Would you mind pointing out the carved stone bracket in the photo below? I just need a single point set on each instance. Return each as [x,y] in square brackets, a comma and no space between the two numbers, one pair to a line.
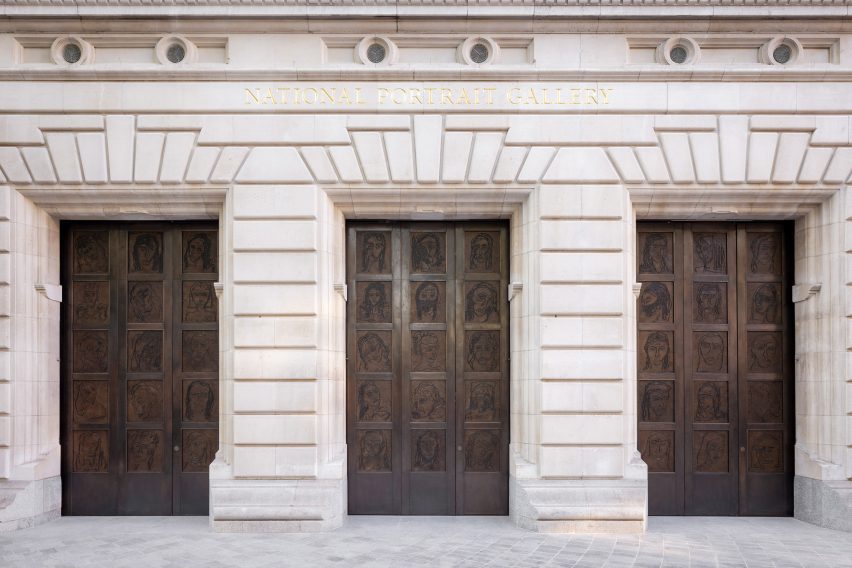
[515,288]
[637,288]
[218,288]
[341,289]
[802,292]
[52,292]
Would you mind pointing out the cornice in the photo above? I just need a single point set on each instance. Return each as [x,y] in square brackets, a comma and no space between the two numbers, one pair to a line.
[430,8]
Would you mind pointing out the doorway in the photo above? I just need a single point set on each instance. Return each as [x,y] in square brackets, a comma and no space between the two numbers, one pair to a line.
[427,368]
[715,367]
[140,351]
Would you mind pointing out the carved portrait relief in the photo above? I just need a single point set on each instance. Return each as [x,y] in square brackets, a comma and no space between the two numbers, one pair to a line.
[144,351]
[374,401]
[428,302]
[657,448]
[428,450]
[91,451]
[91,252]
[145,451]
[144,401]
[428,253]
[481,450]
[656,351]
[428,401]
[710,302]
[91,303]
[710,448]
[199,449]
[144,302]
[374,302]
[766,451]
[482,351]
[656,401]
[656,253]
[373,351]
[711,401]
[481,303]
[199,401]
[764,251]
[482,251]
[481,400]
[373,252]
[146,252]
[765,401]
[428,351]
[374,450]
[709,253]
[655,302]
[91,402]
[710,351]
[764,303]
[199,252]
[199,302]
[91,350]
[764,352]
[200,351]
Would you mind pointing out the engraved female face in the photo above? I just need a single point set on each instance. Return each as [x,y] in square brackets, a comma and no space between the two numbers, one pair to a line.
[429,244]
[765,453]
[426,397]
[199,398]
[427,446]
[195,249]
[711,349]
[711,451]
[145,252]
[90,444]
[86,397]
[483,301]
[707,400]
[374,247]
[484,352]
[374,296]
[659,448]
[480,251]
[708,298]
[650,299]
[373,352]
[763,250]
[657,352]
[143,400]
[429,349]
[764,351]
[199,295]
[141,299]
[374,444]
[371,395]
[655,249]
[196,450]
[482,397]
[657,397]
[765,301]
[427,293]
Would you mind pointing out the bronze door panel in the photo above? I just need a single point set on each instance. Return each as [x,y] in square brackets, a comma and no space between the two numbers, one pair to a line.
[132,416]
[427,371]
[713,361]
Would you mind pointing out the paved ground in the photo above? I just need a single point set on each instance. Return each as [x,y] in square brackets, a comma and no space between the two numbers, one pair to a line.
[186,542]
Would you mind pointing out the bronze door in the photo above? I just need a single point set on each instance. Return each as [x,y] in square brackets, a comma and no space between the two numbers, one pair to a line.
[714,361]
[427,370]
[139,367]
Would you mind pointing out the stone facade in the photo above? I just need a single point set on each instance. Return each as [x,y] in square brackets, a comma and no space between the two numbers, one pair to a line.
[578,123]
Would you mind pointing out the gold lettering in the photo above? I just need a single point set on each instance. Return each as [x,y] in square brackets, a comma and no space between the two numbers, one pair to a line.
[398,96]
[329,96]
[591,97]
[463,98]
[532,98]
[546,99]
[343,97]
[283,93]
[446,96]
[605,95]
[575,97]
[358,99]
[430,91]
[414,96]
[268,98]
[252,96]
[513,95]
[489,95]
[383,95]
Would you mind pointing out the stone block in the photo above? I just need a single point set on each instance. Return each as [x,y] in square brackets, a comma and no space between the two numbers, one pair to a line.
[290,267]
[580,235]
[579,267]
[274,165]
[582,429]
[581,299]
[275,364]
[275,202]
[275,396]
[275,429]
[589,165]
[581,364]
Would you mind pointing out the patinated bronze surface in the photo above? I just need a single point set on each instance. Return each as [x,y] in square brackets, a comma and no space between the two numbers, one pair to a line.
[714,362]
[140,368]
[427,371]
